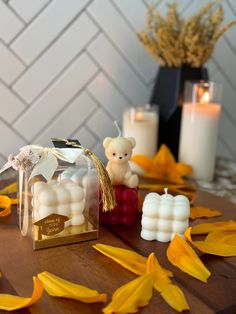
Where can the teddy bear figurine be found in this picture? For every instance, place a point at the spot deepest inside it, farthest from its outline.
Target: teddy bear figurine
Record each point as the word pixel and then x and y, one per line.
pixel 118 151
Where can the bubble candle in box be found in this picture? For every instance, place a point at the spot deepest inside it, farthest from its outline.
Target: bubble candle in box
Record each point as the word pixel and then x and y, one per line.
pixel 141 123
pixel 199 128
pixel 58 193
pixel 61 207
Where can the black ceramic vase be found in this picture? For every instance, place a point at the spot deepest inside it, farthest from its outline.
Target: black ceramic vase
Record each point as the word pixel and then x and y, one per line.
pixel 168 95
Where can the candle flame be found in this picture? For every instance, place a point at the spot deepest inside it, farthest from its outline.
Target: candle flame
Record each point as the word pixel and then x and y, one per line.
pixel 205 98
pixel 139 116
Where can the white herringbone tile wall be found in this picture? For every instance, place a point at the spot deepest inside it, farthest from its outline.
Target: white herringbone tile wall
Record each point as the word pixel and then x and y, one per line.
pixel 70 68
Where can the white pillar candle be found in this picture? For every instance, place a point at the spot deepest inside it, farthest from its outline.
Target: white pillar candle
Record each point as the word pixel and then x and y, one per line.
pixel 142 124
pixel 199 130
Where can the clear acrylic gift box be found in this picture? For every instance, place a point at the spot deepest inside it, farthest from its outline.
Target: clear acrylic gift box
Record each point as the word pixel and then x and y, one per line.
pixel 58 192
pixel 63 209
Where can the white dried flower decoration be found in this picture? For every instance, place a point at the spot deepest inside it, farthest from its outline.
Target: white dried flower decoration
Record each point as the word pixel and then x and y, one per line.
pixel 25 160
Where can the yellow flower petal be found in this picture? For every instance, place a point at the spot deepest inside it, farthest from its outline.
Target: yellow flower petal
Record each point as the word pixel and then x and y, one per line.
pixel 156 271
pixel 14 201
pixel 10 189
pixel 171 293
pixel 129 297
pixel 226 233
pixel 181 255
pixel 201 212
pixel 10 302
pixel 222 236
pixel 231 226
pixel 5 203
pixel 212 247
pixel 163 167
pixel 207 227
pixel 172 171
pixel 154 174
pixel 58 287
pixel 183 169
pixel 131 260
pixel 144 162
pixel 164 157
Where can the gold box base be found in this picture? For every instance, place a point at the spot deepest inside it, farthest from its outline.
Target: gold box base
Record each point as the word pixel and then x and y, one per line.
pixel 69 235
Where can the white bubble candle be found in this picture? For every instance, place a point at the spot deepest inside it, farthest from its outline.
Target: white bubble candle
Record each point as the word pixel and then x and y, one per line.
pixel 64 198
pixel 164 216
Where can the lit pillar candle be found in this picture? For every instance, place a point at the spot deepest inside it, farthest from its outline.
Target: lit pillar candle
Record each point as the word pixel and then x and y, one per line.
pixel 199 128
pixel 142 124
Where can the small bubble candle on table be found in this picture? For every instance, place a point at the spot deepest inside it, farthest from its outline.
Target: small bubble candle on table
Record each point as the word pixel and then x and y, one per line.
pixel 164 216
pixel 118 151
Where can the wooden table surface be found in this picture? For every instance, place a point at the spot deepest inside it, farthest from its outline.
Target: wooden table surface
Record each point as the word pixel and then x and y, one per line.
pixel 82 264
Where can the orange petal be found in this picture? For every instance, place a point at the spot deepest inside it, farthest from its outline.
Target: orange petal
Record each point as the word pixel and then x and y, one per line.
pixel 14 201
pixel 164 157
pixel 131 260
pixel 154 174
pixel 58 287
pixel 222 235
pixel 5 202
pixel 183 169
pixel 156 271
pixel 230 226
pixel 10 302
pixel 212 247
pixel 201 212
pixel 170 170
pixel 171 293
pixel 207 227
pixel 144 162
pixel 129 297
pixel 174 177
pixel 181 255
pixel 163 167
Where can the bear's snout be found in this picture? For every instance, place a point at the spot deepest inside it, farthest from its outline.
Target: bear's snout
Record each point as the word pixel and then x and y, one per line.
pixel 120 157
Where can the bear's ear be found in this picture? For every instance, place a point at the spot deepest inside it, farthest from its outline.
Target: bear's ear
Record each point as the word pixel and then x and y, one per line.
pixel 132 141
pixel 107 141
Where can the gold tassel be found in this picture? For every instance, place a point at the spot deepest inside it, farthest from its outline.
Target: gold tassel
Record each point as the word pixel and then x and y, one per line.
pixel 108 198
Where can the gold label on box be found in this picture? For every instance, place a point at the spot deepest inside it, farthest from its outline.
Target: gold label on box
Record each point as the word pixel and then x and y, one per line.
pixel 51 225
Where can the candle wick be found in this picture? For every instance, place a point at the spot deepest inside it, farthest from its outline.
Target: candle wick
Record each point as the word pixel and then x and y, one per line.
pixel 166 191
pixel 118 128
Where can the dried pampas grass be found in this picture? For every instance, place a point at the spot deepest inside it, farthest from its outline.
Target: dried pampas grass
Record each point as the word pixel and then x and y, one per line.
pixel 175 41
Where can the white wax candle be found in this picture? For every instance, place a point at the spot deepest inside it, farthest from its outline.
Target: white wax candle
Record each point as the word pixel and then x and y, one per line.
pixel 143 126
pixel 198 138
pixel 64 198
pixel 164 216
